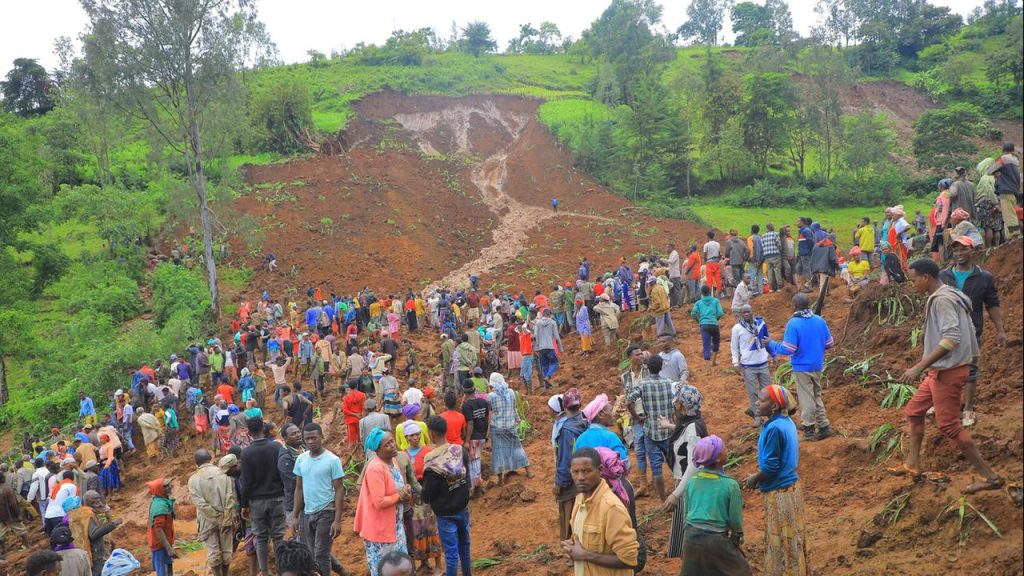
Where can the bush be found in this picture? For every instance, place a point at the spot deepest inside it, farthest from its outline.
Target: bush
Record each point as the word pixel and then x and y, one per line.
pixel 281 115
pixel 100 286
pixel 177 289
pixel 767 193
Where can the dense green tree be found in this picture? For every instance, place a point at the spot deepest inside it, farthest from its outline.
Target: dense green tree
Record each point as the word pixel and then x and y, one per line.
pixel 718 103
pixel 545 40
pixel 767 116
pixel 868 142
pixel 942 136
pixel 22 184
pixel 752 24
pixel 476 38
pixel 704 20
pixel 1006 65
pixel 171 61
pixel 26 91
pixel 282 115
pixel 627 48
pixel 828 75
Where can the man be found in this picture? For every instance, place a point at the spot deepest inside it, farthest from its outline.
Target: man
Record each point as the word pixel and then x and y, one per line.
pixel 635 372
pixel 319 496
pixel 298 407
pixel 545 338
pixel 64 489
pixel 608 312
pixel 980 287
pixel 865 239
pixel 467 357
pixel 160 534
pixel 756 246
pixel 86 409
pixel 737 254
pixel 1007 172
pixel 476 411
pixel 213 494
pixel 961 193
pixel 949 348
pixel 290 450
pixel 692 273
pixel 771 246
pixel 600 519
pixel 373 419
pixel 10 517
pixel 279 369
pixel 806 339
pixel 712 257
pixel 804 246
pixel 656 394
pixel 473 307
pixel 447 353
pixel 262 492
pixel 750 358
pixel 43 563
pixel 741 296
pixel 572 425
pixel 305 365
pixel 675 275
pixel 446 489
pixel 660 307
pixel 673 368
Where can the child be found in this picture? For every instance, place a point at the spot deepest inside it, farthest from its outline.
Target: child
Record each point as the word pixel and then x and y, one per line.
pixel 160 534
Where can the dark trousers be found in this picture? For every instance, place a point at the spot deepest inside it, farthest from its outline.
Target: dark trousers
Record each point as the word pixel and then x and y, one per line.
pixel 268 524
pixel 316 534
pixel 711 338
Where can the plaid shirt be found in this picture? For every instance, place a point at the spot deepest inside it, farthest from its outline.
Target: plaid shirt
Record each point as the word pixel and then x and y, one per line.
pixel 771 244
pixel 656 392
pixel 503 411
pixel 629 384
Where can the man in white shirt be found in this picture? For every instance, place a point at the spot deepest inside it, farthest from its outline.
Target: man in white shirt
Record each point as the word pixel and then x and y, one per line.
pixel 675 276
pixel 750 357
pixel 741 296
pixel 54 513
pixel 37 492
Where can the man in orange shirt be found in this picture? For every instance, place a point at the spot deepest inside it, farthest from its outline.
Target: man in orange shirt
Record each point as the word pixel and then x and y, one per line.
pixel 692 272
pixel 352 405
pixel 227 392
pixel 456 421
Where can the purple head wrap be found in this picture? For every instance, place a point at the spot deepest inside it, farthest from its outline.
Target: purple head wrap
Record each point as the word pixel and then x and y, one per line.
pixel 707 450
pixel 410 410
pixel 612 470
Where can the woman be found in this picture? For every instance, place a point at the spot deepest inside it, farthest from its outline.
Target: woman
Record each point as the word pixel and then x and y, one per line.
pixel 151 431
pixel 171 441
pixel 238 429
pixel 394 322
pixel 110 478
pixel 687 430
pixel 583 327
pixel 382 496
pixel 426 542
pixel 390 396
pixel 409 413
pixel 896 236
pixel 714 518
pixel 942 209
pixel 986 205
pixel 252 410
pixel 507 452
pixel 88 530
pixel 778 455
pixel 246 386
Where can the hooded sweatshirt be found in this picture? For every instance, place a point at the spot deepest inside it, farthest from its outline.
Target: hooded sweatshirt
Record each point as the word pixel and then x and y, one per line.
pixel 948 324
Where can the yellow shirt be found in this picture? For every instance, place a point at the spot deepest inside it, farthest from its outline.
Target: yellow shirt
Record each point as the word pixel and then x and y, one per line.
pixel 858 270
pixel 865 236
pixel 403 443
pixel 605 528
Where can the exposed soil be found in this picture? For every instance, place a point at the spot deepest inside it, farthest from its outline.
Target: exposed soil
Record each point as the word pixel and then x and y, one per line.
pixel 435 188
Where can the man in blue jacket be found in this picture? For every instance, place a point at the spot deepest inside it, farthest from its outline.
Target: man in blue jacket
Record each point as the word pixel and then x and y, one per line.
pixel 806 339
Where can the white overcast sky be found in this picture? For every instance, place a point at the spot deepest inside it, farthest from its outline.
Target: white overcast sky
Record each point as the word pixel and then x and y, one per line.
pixel 28 29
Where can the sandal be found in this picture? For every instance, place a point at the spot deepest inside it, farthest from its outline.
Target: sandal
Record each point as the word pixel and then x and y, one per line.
pixel 904 470
pixel 980 485
pixel 937 477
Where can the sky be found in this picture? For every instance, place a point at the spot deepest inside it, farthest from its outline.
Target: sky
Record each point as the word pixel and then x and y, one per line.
pixel 28 29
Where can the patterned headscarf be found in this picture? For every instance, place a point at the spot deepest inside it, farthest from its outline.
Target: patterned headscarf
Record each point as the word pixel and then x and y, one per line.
pixel 572 398
pixel 778 395
pixel 612 470
pixel 690 398
pixel 707 450
pixel 960 214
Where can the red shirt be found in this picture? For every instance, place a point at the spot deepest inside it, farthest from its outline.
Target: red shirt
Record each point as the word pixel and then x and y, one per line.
pixel 541 302
pixel 163 522
pixel 456 424
pixel 526 344
pixel 149 372
pixel 410 305
pixel 598 288
pixel 226 391
pixel 694 261
pixel 352 404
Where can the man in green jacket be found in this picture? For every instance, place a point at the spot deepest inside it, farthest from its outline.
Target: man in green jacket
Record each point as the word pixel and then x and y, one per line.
pixel 707 311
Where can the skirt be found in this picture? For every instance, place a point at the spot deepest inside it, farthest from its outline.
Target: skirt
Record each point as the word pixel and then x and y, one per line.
pixel 376 550
pixel 110 477
pixel 507 452
pixel 675 535
pixel 988 215
pixel 711 554
pixel 515 359
pixel 784 533
pixel 426 542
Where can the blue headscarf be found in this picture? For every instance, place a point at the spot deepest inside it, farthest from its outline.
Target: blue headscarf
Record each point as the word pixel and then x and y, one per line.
pixel 121 562
pixel 374 438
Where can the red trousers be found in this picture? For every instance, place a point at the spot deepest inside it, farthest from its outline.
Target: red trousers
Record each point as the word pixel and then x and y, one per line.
pixel 942 389
pixel 713 275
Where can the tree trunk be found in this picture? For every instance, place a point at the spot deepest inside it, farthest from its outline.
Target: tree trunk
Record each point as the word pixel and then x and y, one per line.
pixel 199 182
pixel 3 381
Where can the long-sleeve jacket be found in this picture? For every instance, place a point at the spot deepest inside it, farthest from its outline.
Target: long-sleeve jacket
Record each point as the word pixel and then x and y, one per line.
pixel 778 453
pixel 213 493
pixel 571 429
pixel 545 335
pixel 607 529
pixel 609 313
pixel 746 347
pixel 757 250
pixel 659 299
pixel 260 478
pixel 805 341
pixel 583 321
pixel 948 325
pixel 736 251
pixel 286 468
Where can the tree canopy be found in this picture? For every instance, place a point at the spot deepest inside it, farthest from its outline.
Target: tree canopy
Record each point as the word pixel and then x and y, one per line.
pixel 27 88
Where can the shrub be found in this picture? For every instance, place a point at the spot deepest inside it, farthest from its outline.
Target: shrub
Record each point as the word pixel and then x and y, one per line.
pixel 281 115
pixel 100 286
pixel 177 289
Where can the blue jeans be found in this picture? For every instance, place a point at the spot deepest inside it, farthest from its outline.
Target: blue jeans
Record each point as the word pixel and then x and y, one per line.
pixel 694 286
pixel 548 363
pixel 639 448
pixel 162 563
pixel 526 371
pixel 711 338
pixel 454 532
pixel 657 452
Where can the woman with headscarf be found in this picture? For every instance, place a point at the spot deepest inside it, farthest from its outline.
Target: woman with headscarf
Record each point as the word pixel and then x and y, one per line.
pixel 583 327
pixel 714 516
pixel 778 456
pixel 943 205
pixel 246 385
pixel 151 431
pixel 896 236
pixel 986 205
pixel 383 494
pixel 507 452
pixel 687 429
pixel 110 477
pixel 171 428
pixel 88 530
pixel 960 225
pixel 222 415
pixel 421 524
pixel 120 563
pixel 252 410
pixel 409 414
pixel 160 534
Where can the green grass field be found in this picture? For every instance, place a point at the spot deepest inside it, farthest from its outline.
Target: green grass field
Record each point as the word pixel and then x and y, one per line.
pixel 74 238
pixel 844 220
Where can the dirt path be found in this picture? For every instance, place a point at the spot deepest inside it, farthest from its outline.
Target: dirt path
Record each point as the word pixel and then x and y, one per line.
pixel 516 219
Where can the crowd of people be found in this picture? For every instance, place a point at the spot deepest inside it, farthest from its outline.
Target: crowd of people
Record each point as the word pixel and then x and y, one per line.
pixel 417 446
